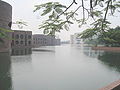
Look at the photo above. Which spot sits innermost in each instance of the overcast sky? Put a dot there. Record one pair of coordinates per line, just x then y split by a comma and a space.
23, 9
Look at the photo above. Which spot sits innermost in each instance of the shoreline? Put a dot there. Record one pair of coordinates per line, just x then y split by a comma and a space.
113, 86
106, 48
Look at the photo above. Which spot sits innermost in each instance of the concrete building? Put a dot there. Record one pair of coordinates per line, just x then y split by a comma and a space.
5, 22
57, 41
75, 39
21, 42
44, 40
72, 39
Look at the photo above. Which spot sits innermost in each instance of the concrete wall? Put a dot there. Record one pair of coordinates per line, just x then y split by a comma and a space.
21, 39
21, 42
5, 22
44, 40
74, 39
5, 15
57, 42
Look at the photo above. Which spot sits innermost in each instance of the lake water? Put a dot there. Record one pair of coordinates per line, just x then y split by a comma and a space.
63, 67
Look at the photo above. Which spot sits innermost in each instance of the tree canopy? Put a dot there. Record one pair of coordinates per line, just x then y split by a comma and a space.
61, 17
3, 31
110, 37
3, 34
20, 23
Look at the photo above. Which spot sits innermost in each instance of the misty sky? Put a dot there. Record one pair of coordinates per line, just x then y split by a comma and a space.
23, 9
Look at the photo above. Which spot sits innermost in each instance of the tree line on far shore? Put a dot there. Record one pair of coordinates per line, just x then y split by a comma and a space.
110, 37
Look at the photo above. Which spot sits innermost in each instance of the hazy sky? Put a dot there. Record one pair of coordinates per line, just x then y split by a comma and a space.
23, 9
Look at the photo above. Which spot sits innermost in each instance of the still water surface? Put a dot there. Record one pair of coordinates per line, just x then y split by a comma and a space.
62, 68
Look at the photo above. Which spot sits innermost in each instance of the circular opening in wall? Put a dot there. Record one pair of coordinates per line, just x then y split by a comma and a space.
10, 24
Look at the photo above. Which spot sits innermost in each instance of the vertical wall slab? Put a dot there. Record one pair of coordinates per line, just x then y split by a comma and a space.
21, 42
5, 22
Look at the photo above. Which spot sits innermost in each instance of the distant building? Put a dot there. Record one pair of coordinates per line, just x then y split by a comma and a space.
57, 41
72, 39
92, 53
44, 40
75, 39
65, 42
21, 42
5, 22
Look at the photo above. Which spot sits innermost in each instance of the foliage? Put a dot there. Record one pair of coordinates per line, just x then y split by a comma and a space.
93, 42
3, 31
111, 37
20, 23
96, 30
111, 59
54, 23
97, 11
89, 33
3, 34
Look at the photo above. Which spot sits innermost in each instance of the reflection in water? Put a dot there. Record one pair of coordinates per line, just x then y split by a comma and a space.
111, 59
5, 76
92, 53
66, 69
21, 65
21, 51
18, 62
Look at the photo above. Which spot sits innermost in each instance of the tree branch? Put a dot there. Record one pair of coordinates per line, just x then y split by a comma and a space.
67, 8
74, 12
105, 14
83, 11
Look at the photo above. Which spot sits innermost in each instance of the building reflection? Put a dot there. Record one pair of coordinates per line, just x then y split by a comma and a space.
21, 65
110, 59
5, 73
92, 53
21, 51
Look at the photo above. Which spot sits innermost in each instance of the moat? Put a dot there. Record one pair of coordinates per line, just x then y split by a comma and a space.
65, 67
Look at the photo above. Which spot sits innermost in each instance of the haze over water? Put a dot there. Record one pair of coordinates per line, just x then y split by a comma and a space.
64, 67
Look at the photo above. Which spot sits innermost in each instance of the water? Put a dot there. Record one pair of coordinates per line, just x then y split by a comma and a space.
61, 68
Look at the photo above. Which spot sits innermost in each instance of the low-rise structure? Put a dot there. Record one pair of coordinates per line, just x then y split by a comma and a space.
21, 42
75, 39
44, 40
5, 23
57, 41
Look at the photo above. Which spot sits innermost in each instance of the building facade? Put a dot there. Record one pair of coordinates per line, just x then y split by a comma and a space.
72, 39
5, 23
57, 41
44, 40
75, 39
21, 42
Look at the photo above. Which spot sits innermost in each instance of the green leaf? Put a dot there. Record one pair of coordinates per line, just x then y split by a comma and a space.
101, 4
46, 11
5, 30
46, 31
58, 10
66, 27
69, 22
97, 13
60, 6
